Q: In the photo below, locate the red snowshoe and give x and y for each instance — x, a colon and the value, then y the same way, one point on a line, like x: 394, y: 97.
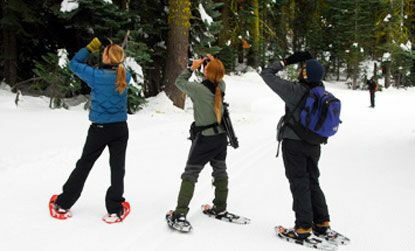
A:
x: 56, y: 211
x: 115, y: 218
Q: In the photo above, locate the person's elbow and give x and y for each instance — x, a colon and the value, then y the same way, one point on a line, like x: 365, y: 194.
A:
x: 72, y: 66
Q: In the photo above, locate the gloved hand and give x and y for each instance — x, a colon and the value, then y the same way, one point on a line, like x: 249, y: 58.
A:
x: 298, y: 57
x: 94, y: 45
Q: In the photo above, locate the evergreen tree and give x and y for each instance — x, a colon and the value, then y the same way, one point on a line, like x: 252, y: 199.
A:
x: 56, y: 81
x: 18, y: 20
x: 205, y: 27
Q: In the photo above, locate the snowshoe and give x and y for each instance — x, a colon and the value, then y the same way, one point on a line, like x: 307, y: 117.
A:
x: 331, y: 236
x: 117, y: 218
x: 178, y: 222
x: 224, y: 215
x: 306, y: 240
x: 56, y: 211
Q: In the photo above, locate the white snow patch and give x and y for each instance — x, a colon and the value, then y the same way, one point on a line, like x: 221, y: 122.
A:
x: 162, y: 44
x: 63, y: 58
x: 5, y: 87
x: 69, y: 5
x: 386, y: 56
x: 406, y: 47
x: 203, y: 14
x: 136, y: 68
x: 387, y: 18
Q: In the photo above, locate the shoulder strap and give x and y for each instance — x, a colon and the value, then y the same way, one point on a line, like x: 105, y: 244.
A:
x: 211, y: 87
x: 289, y: 114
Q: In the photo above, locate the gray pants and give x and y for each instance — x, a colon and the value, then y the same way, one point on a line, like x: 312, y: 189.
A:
x: 206, y: 149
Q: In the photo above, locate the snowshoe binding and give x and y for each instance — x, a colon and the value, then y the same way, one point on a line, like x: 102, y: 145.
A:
x: 304, y: 238
x: 56, y: 211
x: 117, y: 218
x: 224, y: 215
x: 324, y: 231
x: 178, y: 222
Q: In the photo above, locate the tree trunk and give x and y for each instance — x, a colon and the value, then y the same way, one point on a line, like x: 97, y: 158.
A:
x: 9, y: 50
x: 177, y: 48
x: 224, y: 37
x: 338, y: 69
x: 10, y: 56
x: 253, y: 59
x: 387, y: 74
x: 355, y: 74
x: 154, y: 78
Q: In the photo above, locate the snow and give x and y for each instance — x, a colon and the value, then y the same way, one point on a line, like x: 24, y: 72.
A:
x: 368, y: 68
x: 203, y: 14
x: 386, y: 56
x: 63, y: 58
x: 366, y: 173
x: 406, y: 47
x: 5, y: 87
x: 136, y: 68
x: 69, y: 5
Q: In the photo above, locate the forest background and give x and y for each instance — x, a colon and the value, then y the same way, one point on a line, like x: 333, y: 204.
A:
x: 354, y: 39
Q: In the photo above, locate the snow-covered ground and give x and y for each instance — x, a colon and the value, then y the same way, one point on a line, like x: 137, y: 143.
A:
x: 367, y: 173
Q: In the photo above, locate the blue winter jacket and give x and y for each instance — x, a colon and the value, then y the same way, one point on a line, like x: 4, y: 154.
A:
x: 107, y: 105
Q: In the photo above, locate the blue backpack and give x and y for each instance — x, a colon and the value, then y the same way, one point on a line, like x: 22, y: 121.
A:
x: 319, y: 116
x: 321, y: 112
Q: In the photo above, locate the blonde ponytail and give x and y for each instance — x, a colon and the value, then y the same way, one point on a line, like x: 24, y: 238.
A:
x: 114, y: 55
x: 121, y: 79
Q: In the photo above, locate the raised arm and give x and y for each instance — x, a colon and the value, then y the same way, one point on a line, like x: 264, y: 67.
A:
x: 288, y: 91
x: 183, y: 83
x: 78, y: 66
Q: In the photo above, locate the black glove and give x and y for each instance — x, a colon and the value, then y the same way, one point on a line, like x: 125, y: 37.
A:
x: 298, y: 57
x: 105, y: 41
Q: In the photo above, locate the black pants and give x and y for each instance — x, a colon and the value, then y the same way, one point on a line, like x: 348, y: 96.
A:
x: 301, y: 169
x: 115, y: 136
x: 372, y: 98
x: 206, y: 149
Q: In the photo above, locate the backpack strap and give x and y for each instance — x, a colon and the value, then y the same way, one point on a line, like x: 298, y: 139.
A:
x: 195, y: 130
x: 211, y: 87
x: 288, y: 115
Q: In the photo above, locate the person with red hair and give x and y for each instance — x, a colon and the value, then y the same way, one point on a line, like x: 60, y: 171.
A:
x: 209, y: 142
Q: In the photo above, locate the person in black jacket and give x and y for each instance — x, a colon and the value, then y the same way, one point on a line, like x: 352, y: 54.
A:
x: 373, y: 87
x: 300, y: 156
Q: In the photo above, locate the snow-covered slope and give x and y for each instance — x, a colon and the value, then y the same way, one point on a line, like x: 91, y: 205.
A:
x: 367, y: 173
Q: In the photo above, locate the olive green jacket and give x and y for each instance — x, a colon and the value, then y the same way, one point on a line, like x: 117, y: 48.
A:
x: 203, y: 101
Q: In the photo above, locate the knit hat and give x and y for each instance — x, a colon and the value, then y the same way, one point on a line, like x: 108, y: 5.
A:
x: 314, y: 70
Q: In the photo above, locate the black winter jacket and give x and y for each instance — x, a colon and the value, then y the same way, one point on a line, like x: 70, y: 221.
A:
x: 290, y: 92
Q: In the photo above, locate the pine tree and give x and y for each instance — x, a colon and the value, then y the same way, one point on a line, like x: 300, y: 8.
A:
x: 17, y: 17
x: 205, y: 28
x: 57, y: 81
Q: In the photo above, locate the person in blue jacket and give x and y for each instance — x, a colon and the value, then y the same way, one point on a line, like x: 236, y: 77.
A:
x: 108, y: 114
